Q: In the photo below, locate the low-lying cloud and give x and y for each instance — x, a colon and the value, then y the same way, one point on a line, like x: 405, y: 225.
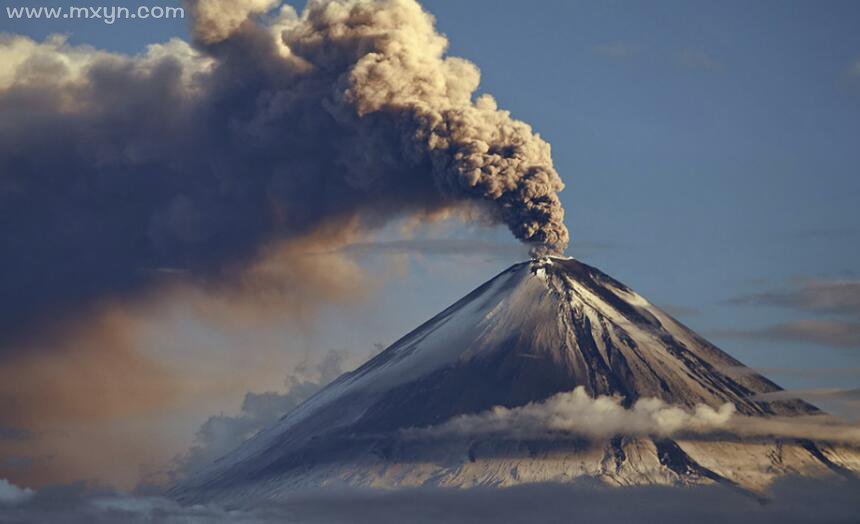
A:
x: 577, y: 413
x: 792, y: 501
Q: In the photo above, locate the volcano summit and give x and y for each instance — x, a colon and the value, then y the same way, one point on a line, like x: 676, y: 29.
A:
x: 462, y: 400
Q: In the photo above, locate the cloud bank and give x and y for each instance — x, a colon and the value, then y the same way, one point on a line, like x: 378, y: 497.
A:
x: 792, y: 501
x: 575, y: 412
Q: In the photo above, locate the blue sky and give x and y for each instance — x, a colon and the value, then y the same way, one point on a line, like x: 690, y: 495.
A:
x: 709, y: 150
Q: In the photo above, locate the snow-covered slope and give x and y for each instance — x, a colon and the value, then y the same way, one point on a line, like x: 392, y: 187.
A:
x: 537, y: 329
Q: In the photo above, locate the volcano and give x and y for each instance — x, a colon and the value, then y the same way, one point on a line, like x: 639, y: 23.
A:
x: 538, y: 329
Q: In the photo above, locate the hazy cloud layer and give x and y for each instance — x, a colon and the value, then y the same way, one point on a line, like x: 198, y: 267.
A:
x: 792, y: 501
x: 221, y: 434
x: 440, y: 247
x: 841, y: 401
x: 835, y: 333
x: 837, y: 297
x: 615, y: 50
x: 116, y: 397
x: 815, y: 373
x: 698, y: 59
x: 457, y: 247
x: 603, y: 417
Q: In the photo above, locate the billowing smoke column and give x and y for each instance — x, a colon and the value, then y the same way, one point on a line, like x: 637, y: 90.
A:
x: 194, y: 158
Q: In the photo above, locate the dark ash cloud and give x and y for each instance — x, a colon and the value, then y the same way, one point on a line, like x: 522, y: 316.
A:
x: 13, y: 433
x: 200, y: 157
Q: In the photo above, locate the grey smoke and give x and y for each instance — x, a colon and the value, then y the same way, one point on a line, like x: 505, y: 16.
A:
x: 266, y: 129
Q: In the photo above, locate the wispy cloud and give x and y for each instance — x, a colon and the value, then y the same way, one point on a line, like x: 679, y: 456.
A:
x: 854, y: 70
x: 616, y: 50
x: 839, y: 394
x: 677, y: 310
x: 837, y: 296
x: 698, y: 59
x: 815, y: 296
x: 839, y: 401
x: 832, y: 333
x: 814, y: 373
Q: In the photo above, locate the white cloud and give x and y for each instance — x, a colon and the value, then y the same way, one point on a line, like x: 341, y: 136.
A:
x: 576, y: 413
x: 12, y: 494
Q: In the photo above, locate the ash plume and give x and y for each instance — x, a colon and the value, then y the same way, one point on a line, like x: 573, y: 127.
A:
x: 264, y: 130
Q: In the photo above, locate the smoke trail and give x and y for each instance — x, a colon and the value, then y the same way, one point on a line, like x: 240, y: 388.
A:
x: 197, y: 158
